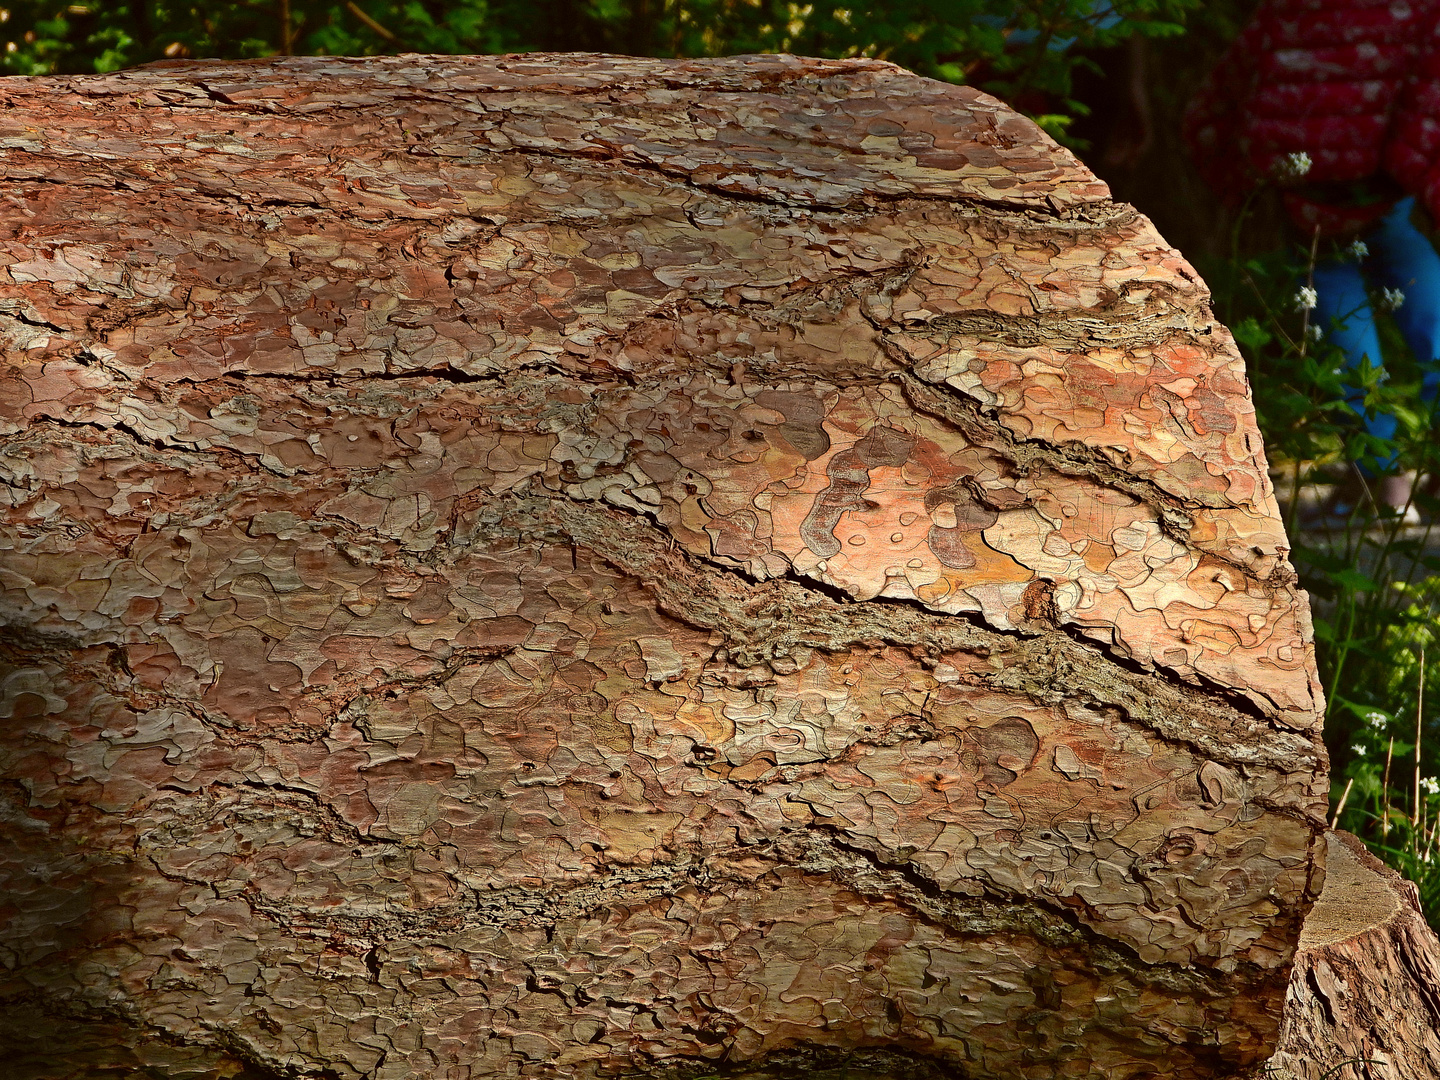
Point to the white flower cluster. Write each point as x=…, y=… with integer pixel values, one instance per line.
x=1314, y=333
x=1306, y=298
x=1358, y=749
x=1430, y=784
x=1293, y=166
x=1376, y=719
x=1390, y=299
x=1358, y=249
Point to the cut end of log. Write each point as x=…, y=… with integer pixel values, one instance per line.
x=1357, y=897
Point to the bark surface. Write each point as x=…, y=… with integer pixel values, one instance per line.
x=576, y=566
x=1364, y=997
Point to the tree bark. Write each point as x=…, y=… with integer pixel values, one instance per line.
x=1364, y=997
x=576, y=566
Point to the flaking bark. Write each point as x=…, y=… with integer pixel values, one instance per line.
x=586, y=566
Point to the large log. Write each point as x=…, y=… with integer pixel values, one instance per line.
x=584, y=566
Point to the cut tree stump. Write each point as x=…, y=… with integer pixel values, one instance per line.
x=1365, y=988
x=580, y=566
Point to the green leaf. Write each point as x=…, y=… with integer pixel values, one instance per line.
x=1251, y=335
x=1354, y=579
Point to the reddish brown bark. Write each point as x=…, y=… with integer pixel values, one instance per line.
x=580, y=566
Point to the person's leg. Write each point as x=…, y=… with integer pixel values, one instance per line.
x=1343, y=313
x=1403, y=258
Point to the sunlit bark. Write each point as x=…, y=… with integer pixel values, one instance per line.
x=581, y=566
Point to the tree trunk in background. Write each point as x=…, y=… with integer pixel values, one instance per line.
x=576, y=566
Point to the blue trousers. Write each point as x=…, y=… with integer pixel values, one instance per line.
x=1400, y=258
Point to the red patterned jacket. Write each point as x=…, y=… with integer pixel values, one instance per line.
x=1354, y=84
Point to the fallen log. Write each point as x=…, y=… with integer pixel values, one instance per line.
x=587, y=566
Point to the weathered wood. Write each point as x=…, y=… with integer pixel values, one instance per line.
x=576, y=566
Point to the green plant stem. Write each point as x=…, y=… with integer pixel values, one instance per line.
x=1309, y=284
x=1240, y=217
x=1294, y=502
x=1330, y=698
x=1418, y=808
x=1385, y=787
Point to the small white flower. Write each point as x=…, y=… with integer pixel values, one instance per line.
x=1293, y=166
x=1314, y=333
x=1376, y=719
x=1358, y=249
x=1430, y=784
x=1358, y=749
x=1306, y=298
x=1391, y=299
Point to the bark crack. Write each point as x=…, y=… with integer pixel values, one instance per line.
x=784, y=613
x=1065, y=930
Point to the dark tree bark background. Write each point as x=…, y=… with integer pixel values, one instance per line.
x=586, y=566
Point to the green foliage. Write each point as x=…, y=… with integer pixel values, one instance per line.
x=1026, y=51
x=1361, y=514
